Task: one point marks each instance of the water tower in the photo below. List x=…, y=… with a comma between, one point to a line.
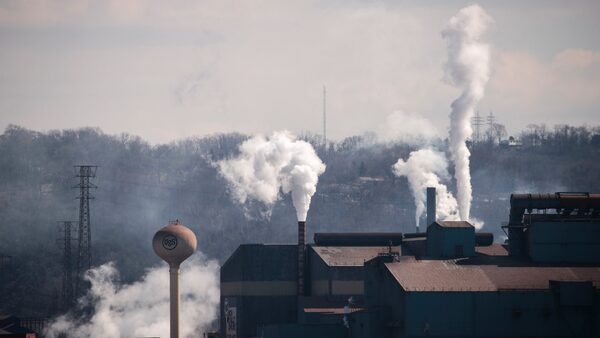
x=174, y=243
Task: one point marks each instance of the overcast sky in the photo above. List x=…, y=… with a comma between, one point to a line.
x=165, y=70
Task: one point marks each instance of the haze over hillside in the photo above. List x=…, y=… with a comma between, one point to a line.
x=141, y=187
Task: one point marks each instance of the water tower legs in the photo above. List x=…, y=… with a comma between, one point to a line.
x=174, y=282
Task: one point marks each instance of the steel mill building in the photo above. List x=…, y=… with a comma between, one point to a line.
x=446, y=282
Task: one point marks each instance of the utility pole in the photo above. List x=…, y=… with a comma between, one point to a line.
x=477, y=122
x=325, y=116
x=84, y=235
x=68, y=295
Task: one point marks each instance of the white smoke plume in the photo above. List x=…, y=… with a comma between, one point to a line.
x=467, y=67
x=427, y=168
x=406, y=127
x=268, y=165
x=142, y=308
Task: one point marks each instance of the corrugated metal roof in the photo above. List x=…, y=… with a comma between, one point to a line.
x=492, y=250
x=447, y=275
x=333, y=311
x=454, y=224
x=350, y=255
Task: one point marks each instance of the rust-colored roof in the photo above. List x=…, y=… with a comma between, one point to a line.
x=492, y=250
x=449, y=275
x=332, y=311
x=454, y=224
x=350, y=255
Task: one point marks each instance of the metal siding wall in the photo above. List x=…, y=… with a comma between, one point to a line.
x=516, y=313
x=319, y=274
x=458, y=236
x=565, y=232
x=496, y=314
x=565, y=242
x=442, y=242
x=347, y=287
x=231, y=270
x=434, y=241
x=303, y=331
x=346, y=273
x=383, y=301
x=257, y=312
x=442, y=313
x=250, y=270
x=334, y=280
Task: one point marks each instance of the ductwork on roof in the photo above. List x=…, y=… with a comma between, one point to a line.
x=564, y=203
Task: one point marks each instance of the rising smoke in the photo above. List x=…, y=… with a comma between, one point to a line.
x=142, y=308
x=468, y=68
x=406, y=127
x=427, y=168
x=268, y=165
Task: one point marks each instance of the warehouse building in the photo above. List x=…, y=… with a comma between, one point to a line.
x=447, y=282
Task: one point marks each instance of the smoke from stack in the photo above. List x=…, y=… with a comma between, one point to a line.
x=268, y=165
x=427, y=168
x=467, y=67
x=141, y=309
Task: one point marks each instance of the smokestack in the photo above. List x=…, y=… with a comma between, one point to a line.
x=301, y=256
x=431, y=206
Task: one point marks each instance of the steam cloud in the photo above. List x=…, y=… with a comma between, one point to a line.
x=142, y=308
x=424, y=168
x=266, y=166
x=467, y=67
x=406, y=127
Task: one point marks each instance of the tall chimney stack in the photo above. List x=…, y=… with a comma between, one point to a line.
x=431, y=202
x=301, y=256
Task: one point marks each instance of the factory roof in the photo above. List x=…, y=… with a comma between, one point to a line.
x=331, y=305
x=492, y=250
x=455, y=275
x=333, y=311
x=454, y=224
x=11, y=324
x=350, y=255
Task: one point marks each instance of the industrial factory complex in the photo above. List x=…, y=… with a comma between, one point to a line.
x=447, y=281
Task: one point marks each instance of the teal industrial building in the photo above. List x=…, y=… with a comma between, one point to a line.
x=446, y=282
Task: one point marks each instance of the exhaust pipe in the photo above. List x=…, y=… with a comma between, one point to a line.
x=431, y=206
x=301, y=256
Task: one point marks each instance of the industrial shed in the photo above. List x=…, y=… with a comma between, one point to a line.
x=447, y=282
x=487, y=295
x=338, y=271
x=447, y=239
x=258, y=286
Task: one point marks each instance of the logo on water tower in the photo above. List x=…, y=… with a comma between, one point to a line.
x=169, y=242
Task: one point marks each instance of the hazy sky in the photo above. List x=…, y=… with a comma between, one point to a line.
x=171, y=69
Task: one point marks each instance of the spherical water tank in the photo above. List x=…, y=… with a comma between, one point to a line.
x=174, y=243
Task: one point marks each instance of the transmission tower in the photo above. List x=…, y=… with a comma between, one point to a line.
x=84, y=234
x=477, y=122
x=68, y=296
x=490, y=121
